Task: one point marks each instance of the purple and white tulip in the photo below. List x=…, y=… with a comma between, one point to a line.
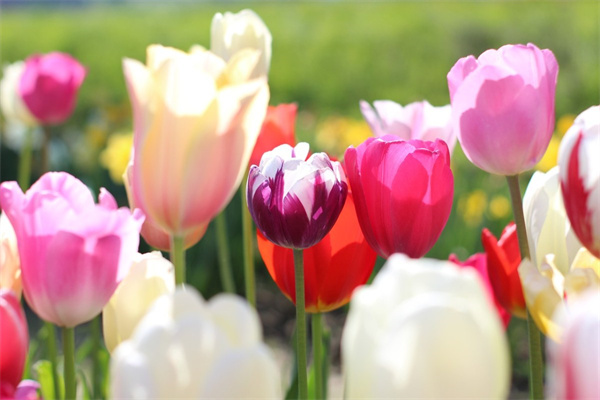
x=293, y=201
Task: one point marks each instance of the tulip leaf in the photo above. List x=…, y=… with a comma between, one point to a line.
x=292, y=392
x=326, y=346
x=43, y=372
x=84, y=385
x=83, y=350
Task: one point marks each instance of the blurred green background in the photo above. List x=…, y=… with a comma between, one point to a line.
x=326, y=57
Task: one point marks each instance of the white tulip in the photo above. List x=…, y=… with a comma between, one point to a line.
x=11, y=102
x=424, y=328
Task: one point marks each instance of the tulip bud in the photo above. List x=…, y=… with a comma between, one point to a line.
x=293, y=201
x=405, y=333
x=503, y=107
x=403, y=192
x=185, y=347
x=150, y=277
x=14, y=341
x=11, y=102
x=419, y=120
x=73, y=252
x=580, y=177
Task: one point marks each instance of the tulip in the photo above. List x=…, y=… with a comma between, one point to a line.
x=419, y=120
x=150, y=277
x=574, y=363
x=277, y=128
x=196, y=120
x=73, y=252
x=153, y=234
x=424, y=329
x=504, y=258
x=503, y=107
x=10, y=264
x=11, y=102
x=478, y=262
x=186, y=347
x=231, y=33
x=548, y=228
x=14, y=341
x=49, y=84
x=403, y=192
x=293, y=201
x=580, y=177
x=333, y=268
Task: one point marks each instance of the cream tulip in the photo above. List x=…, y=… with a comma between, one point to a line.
x=150, y=277
x=10, y=264
x=424, y=328
x=196, y=120
x=231, y=33
x=11, y=102
x=186, y=347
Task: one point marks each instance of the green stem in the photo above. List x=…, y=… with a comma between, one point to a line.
x=69, y=361
x=536, y=364
x=317, y=340
x=96, y=369
x=51, y=345
x=248, y=247
x=178, y=258
x=300, y=324
x=45, y=156
x=223, y=250
x=24, y=174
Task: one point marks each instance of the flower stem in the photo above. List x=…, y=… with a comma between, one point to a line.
x=317, y=340
x=300, y=324
x=45, y=156
x=69, y=361
x=248, y=247
x=51, y=345
x=223, y=249
x=96, y=369
x=536, y=364
x=24, y=174
x=178, y=258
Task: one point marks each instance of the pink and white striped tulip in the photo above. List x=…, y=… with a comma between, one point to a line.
x=403, y=192
x=580, y=177
x=503, y=106
x=73, y=252
x=418, y=120
x=294, y=201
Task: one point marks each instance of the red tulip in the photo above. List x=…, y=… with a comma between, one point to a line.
x=479, y=263
x=277, y=128
x=504, y=259
x=14, y=340
x=403, y=192
x=333, y=267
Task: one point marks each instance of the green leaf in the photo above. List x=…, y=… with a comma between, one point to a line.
x=42, y=370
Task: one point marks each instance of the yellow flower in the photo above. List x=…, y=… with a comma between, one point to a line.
x=550, y=158
x=115, y=156
x=336, y=133
x=499, y=207
x=472, y=207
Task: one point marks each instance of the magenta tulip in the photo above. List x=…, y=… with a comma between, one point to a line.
x=503, y=106
x=73, y=252
x=49, y=86
x=293, y=201
x=579, y=166
x=14, y=341
x=403, y=192
x=419, y=120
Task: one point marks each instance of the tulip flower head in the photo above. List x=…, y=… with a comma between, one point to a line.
x=196, y=120
x=419, y=120
x=186, y=348
x=294, y=201
x=73, y=252
x=11, y=102
x=403, y=192
x=580, y=177
x=333, y=268
x=49, y=84
x=503, y=106
x=406, y=332
x=10, y=264
x=14, y=341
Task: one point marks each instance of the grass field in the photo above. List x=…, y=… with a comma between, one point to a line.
x=326, y=57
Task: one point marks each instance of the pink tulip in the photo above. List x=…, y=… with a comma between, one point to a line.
x=49, y=86
x=293, y=201
x=503, y=106
x=73, y=252
x=403, y=192
x=419, y=120
x=580, y=177
x=14, y=341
